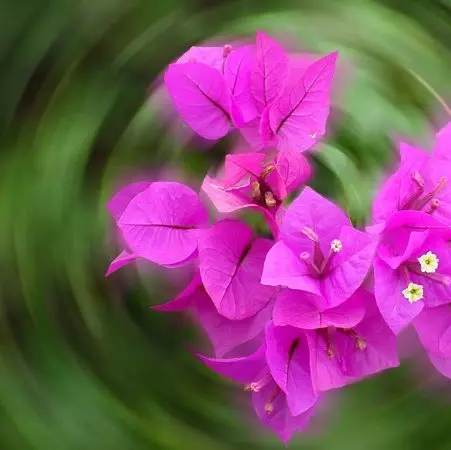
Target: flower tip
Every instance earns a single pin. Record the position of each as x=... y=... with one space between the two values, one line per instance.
x=269 y=408
x=227 y=50
x=334 y=55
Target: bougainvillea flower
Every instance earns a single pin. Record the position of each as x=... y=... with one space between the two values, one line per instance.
x=433 y=326
x=340 y=356
x=402 y=232
x=287 y=356
x=420 y=277
x=224 y=334
x=275 y=99
x=252 y=180
x=420 y=183
x=302 y=310
x=162 y=223
x=261 y=373
x=318 y=251
x=202 y=98
x=231 y=261
x=297 y=118
x=292 y=97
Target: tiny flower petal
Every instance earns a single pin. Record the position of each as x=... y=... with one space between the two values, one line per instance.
x=413 y=292
x=336 y=246
x=429 y=262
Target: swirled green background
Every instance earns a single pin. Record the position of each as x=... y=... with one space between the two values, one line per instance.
x=83 y=363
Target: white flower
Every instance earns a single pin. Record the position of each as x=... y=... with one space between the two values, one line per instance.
x=429 y=262
x=336 y=246
x=413 y=292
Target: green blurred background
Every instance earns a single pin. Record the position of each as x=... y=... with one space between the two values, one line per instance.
x=84 y=364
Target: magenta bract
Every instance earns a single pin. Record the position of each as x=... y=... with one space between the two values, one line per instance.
x=202 y=98
x=273 y=98
x=339 y=356
x=269 y=399
x=394 y=275
x=298 y=116
x=319 y=251
x=253 y=180
x=419 y=184
x=231 y=262
x=162 y=223
x=304 y=310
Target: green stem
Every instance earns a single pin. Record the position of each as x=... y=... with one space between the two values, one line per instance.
x=431 y=90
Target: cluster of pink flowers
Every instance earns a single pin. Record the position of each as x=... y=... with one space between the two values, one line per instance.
x=317 y=306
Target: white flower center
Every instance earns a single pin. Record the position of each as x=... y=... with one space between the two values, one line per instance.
x=413 y=292
x=336 y=246
x=429 y=262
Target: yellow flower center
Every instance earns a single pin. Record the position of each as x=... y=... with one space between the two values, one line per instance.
x=429 y=262
x=413 y=292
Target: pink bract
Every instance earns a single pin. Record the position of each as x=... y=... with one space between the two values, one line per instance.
x=237 y=73
x=304 y=310
x=269 y=71
x=275 y=99
x=162 y=223
x=340 y=356
x=420 y=184
x=390 y=281
x=433 y=326
x=298 y=116
x=202 y=98
x=303 y=257
x=231 y=261
x=269 y=400
x=287 y=356
x=252 y=180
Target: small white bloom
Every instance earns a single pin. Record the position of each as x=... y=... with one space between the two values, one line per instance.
x=336 y=246
x=413 y=292
x=429 y=262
